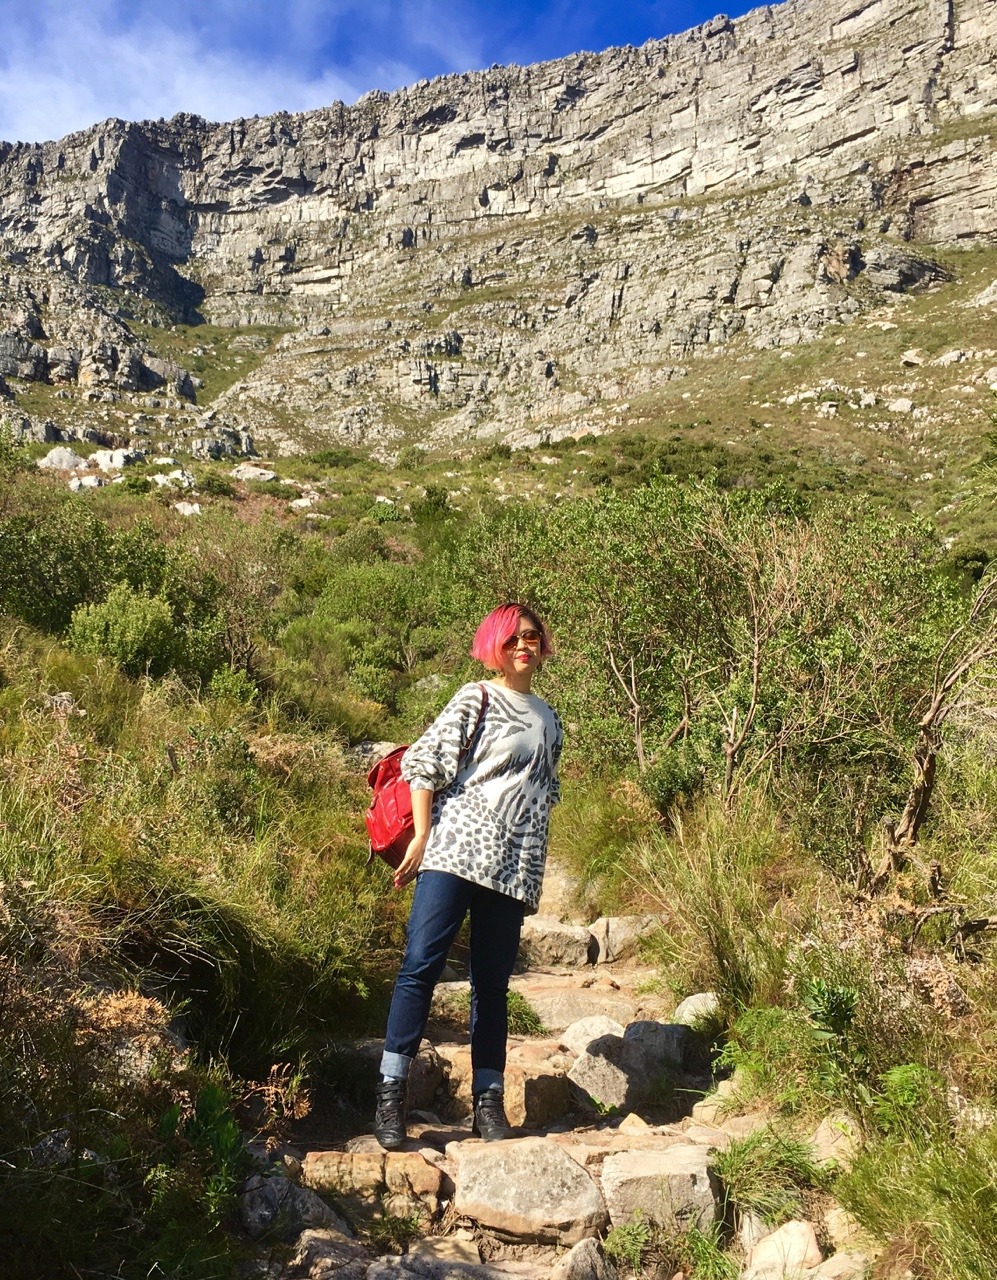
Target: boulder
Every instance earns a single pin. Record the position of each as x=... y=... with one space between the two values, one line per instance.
x=612 y=1073
x=580 y=1034
x=848 y=1265
x=836 y=1139
x=322 y=1253
x=546 y=942
x=584 y=1261
x=716 y=1105
x=666 y=1047
x=558 y=1006
x=247 y=471
x=400 y=1182
x=357 y=1064
x=116 y=459
x=696 y=1010
x=559 y=897
x=62 y=459
x=674 y=1188
x=618 y=937
x=784 y=1254
x=537 y=1090
x=528 y=1190
x=276 y=1205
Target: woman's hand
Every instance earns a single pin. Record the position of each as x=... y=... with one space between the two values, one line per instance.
x=409 y=866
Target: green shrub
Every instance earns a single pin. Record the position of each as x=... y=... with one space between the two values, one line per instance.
x=214 y=485
x=133 y=629
x=236 y=686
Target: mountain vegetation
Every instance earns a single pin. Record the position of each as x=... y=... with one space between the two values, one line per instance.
x=780 y=709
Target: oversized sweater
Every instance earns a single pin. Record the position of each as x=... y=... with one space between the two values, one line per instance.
x=491 y=807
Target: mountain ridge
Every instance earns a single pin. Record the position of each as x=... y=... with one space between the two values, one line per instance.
x=567 y=216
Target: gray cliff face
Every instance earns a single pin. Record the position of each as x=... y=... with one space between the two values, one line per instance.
x=498 y=250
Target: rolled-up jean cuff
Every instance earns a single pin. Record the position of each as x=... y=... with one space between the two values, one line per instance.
x=485 y=1078
x=396 y=1065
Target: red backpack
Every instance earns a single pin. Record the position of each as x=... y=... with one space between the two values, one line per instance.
x=390 y=825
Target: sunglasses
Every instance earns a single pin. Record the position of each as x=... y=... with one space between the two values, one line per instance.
x=531 y=637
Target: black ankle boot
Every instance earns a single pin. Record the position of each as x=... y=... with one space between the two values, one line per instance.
x=490 y=1121
x=389 y=1117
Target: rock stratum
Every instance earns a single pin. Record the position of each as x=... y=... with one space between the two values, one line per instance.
x=514 y=252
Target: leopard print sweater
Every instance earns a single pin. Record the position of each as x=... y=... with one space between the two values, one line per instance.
x=491 y=807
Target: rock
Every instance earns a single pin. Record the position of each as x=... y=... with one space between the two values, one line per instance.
x=537 y=1091
x=187 y=508
x=633 y=1123
x=751 y=1229
x=322 y=1253
x=718 y=1104
x=841 y=1228
x=580 y=1034
x=276 y=1204
x=902 y=404
x=987 y=297
x=529 y=1190
x=695 y=1011
x=618 y=937
x=559 y=897
x=836 y=1139
x=545 y=942
x=913 y=357
x=247 y=471
x=62 y=459
x=674 y=1188
x=667 y=1047
x=785 y=1254
x=445 y=1249
x=584 y=1261
x=848 y=1265
x=399 y=1182
x=612 y=1074
x=86 y=482
x=116 y=459
x=559 y=1005
x=360 y=1060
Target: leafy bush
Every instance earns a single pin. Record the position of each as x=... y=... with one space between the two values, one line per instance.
x=131 y=628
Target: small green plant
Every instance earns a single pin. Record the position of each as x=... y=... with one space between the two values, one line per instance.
x=704 y=1257
x=523 y=1018
x=766 y=1173
x=910 y=1101
x=391 y=1232
x=629 y=1242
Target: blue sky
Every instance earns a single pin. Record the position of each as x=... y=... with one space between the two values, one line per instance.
x=64 y=66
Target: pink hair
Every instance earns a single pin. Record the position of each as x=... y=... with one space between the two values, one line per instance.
x=498 y=626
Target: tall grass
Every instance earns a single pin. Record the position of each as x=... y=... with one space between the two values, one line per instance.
x=216 y=854
x=734 y=896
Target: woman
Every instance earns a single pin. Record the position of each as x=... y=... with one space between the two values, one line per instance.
x=483 y=778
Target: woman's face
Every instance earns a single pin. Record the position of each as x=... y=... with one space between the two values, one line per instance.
x=521 y=651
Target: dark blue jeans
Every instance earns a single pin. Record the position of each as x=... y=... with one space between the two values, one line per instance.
x=439 y=905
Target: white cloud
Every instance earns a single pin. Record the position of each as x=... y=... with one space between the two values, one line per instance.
x=70 y=67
